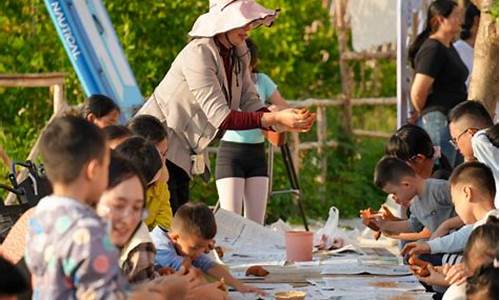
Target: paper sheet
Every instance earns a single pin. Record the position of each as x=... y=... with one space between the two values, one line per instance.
x=269 y=288
x=346 y=249
x=353 y=269
x=248 y=243
x=403 y=283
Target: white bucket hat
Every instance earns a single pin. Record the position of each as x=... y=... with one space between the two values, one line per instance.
x=225 y=15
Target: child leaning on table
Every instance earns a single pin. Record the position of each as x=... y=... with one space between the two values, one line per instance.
x=191 y=236
x=432 y=207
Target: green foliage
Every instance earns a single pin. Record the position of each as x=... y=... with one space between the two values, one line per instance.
x=299 y=52
x=494 y=9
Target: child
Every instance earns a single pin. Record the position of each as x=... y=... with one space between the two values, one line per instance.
x=122 y=205
x=116 y=134
x=101 y=111
x=152 y=130
x=483 y=285
x=469 y=123
x=479 y=254
x=147 y=159
x=473 y=190
x=412 y=144
x=193 y=230
x=432 y=206
x=69 y=251
x=159 y=207
x=144 y=157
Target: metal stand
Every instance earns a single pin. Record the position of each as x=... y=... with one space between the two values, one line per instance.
x=292 y=177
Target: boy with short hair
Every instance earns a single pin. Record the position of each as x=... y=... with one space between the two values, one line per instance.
x=158 y=195
x=68 y=249
x=469 y=122
x=193 y=230
x=473 y=190
x=466 y=120
x=432 y=206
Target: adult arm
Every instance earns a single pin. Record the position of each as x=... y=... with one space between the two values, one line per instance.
x=428 y=64
x=420 y=90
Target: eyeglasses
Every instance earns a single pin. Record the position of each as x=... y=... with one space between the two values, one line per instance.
x=124 y=212
x=454 y=141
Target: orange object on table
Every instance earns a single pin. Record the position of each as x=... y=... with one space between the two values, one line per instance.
x=258 y=271
x=367 y=215
x=275 y=138
x=415 y=261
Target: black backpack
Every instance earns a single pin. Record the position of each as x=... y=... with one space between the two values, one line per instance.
x=28 y=192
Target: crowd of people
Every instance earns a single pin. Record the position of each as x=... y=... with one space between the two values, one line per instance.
x=120 y=223
x=442 y=167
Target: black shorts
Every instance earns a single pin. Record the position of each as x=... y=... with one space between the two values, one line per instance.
x=241 y=160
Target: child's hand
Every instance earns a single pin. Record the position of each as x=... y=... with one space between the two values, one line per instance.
x=166 y=271
x=211 y=291
x=387 y=214
x=367 y=217
x=434 y=278
x=194 y=276
x=173 y=286
x=187 y=263
x=381 y=223
x=456 y=274
x=416 y=248
x=244 y=288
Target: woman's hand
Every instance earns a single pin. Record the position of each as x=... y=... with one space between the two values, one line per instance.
x=295 y=119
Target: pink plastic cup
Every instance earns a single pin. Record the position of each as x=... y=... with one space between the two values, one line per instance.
x=299 y=245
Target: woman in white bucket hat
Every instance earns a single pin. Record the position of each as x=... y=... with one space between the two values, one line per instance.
x=209 y=89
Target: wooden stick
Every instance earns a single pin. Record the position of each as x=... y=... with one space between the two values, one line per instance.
x=365 y=55
x=368 y=133
x=295 y=149
x=345 y=70
x=31 y=80
x=339 y=102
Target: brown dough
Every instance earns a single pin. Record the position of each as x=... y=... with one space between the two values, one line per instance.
x=256 y=271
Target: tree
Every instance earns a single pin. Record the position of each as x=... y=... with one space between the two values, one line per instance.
x=484 y=79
